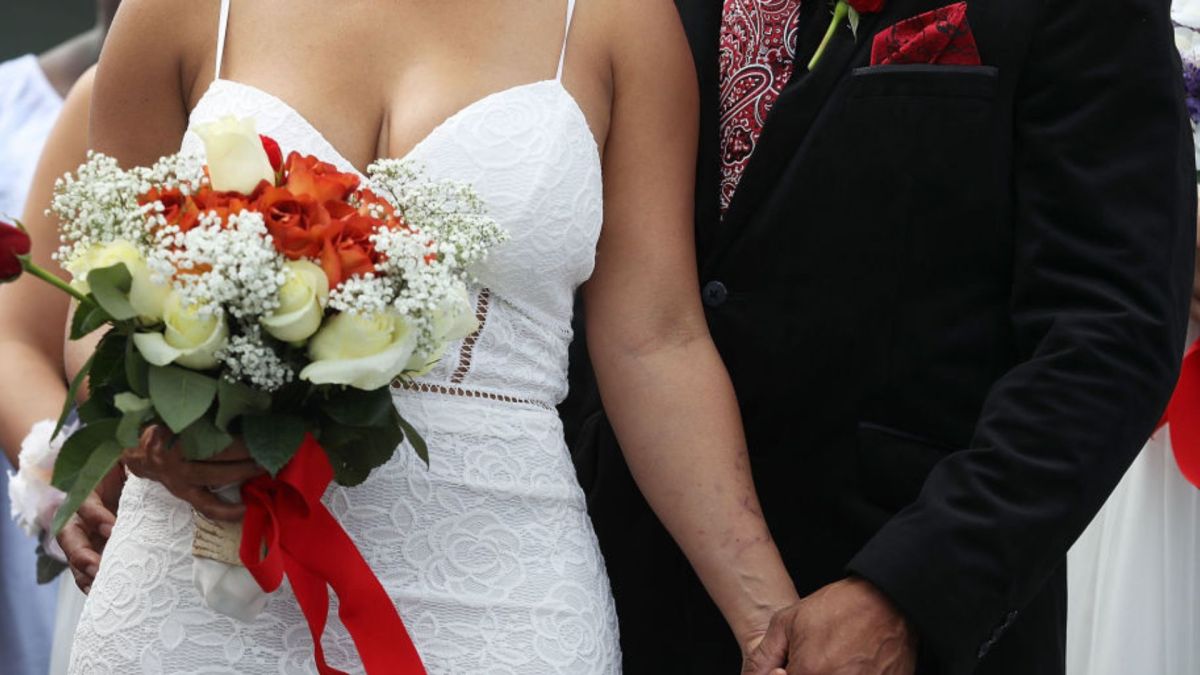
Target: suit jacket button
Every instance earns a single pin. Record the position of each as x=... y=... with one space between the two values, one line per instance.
x=715 y=294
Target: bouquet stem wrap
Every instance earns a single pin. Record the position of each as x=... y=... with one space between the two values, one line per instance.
x=287 y=530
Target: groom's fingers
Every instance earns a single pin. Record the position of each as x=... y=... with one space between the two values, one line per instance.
x=771 y=654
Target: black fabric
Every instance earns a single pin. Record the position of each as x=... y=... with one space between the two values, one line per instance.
x=954 y=302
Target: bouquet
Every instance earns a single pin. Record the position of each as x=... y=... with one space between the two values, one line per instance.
x=269 y=298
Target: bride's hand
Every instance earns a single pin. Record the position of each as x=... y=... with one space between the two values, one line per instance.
x=158 y=458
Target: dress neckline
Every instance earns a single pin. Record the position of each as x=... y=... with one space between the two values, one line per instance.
x=578 y=116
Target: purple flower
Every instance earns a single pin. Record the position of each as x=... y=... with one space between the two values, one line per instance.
x=1191 y=84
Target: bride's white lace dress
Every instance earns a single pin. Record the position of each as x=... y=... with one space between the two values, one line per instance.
x=488 y=554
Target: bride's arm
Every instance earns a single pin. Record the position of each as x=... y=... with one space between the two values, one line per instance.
x=664 y=386
x=33 y=315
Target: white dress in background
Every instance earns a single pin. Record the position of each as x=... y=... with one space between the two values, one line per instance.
x=1133 y=578
x=29 y=105
x=488 y=554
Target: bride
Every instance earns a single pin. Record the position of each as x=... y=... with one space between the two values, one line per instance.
x=488 y=553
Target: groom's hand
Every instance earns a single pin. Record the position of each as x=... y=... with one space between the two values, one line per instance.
x=846 y=628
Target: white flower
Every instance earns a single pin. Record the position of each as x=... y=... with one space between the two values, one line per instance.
x=454 y=320
x=34 y=500
x=302 y=301
x=365 y=351
x=191 y=339
x=248 y=358
x=236 y=159
x=145 y=295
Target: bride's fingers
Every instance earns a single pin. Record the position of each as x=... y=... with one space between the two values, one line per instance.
x=212 y=506
x=220 y=474
x=234 y=453
x=81 y=556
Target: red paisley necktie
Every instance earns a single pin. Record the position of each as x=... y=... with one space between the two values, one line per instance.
x=757 y=54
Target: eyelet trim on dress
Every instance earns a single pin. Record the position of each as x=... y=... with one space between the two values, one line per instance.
x=431 y=388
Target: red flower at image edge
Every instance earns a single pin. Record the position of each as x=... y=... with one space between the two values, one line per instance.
x=14 y=243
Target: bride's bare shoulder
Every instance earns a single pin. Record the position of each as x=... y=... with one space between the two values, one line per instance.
x=156 y=50
x=176 y=34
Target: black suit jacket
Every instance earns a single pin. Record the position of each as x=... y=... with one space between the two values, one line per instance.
x=952 y=301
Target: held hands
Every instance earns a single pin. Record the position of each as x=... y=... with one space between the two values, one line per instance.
x=845 y=628
x=156 y=458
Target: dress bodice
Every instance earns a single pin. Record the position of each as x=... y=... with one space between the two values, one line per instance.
x=530 y=156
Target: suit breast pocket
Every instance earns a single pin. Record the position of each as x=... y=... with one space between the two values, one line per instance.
x=937 y=137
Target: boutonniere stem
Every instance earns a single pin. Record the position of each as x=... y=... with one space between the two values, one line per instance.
x=840 y=12
x=850 y=11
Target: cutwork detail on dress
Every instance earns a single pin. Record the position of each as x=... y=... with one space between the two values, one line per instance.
x=432 y=388
x=468 y=346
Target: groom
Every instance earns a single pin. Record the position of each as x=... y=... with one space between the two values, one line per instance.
x=949 y=276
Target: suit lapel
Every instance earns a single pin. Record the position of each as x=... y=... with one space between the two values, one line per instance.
x=702 y=21
x=789 y=121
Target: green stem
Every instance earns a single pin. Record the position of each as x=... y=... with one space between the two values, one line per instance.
x=840 y=12
x=33 y=269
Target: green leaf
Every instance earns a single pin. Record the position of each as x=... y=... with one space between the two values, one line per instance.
x=79 y=448
x=88 y=318
x=137 y=371
x=72 y=392
x=180 y=396
x=95 y=409
x=273 y=439
x=109 y=362
x=129 y=430
x=203 y=439
x=98 y=464
x=358 y=408
x=415 y=439
x=48 y=568
x=110 y=287
x=356 y=451
x=235 y=399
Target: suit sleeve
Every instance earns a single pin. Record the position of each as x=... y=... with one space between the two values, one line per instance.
x=1104 y=227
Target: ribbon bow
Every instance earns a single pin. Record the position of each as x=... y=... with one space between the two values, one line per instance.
x=288 y=530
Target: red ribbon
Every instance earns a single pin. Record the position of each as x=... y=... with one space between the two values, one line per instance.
x=289 y=531
x=1182 y=417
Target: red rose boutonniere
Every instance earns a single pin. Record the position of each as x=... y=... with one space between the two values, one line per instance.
x=851 y=10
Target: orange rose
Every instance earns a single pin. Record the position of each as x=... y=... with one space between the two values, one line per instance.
x=348 y=250
x=321 y=181
x=178 y=209
x=298 y=224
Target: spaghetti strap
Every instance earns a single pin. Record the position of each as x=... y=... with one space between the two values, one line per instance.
x=562 y=58
x=222 y=29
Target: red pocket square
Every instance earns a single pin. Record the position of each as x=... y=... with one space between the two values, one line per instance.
x=941 y=36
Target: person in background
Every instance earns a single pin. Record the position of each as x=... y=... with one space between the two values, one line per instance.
x=32 y=88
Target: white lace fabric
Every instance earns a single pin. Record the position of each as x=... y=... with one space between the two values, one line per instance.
x=488 y=554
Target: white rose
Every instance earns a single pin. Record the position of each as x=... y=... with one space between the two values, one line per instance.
x=190 y=339
x=454 y=320
x=234 y=152
x=302 y=301
x=362 y=351
x=33 y=499
x=145 y=296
